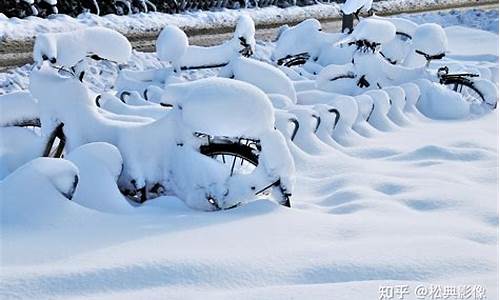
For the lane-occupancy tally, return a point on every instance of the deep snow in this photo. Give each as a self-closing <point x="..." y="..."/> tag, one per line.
<point x="417" y="204"/>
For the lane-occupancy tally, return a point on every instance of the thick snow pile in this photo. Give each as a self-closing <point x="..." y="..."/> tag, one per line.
<point x="387" y="168"/>
<point x="289" y="39"/>
<point x="374" y="30"/>
<point x="242" y="43"/>
<point x="264" y="76"/>
<point x="354" y="6"/>
<point x="204" y="105"/>
<point x="399" y="48"/>
<point x="102" y="161"/>
<point x="171" y="45"/>
<point x="67" y="49"/>
<point x="17" y="104"/>
<point x="343" y="237"/>
<point x="430" y="39"/>
<point x="18" y="146"/>
<point x="213" y="106"/>
<point x="47" y="184"/>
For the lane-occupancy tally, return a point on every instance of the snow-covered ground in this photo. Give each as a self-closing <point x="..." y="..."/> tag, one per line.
<point x="19" y="29"/>
<point x="411" y="207"/>
<point x="416" y="206"/>
<point x="475" y="18"/>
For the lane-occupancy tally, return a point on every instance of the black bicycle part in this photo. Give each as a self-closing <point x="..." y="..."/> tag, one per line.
<point x="246" y="150"/>
<point x="294" y="60"/>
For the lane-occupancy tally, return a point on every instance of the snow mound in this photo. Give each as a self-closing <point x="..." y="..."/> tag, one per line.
<point x="277" y="159"/>
<point x="280" y="101"/>
<point x="205" y="103"/>
<point x="171" y="45"/>
<point x="352" y="6"/>
<point x="382" y="105"/>
<point x="349" y="110"/>
<point x="291" y="40"/>
<point x="69" y="48"/>
<point x="99" y="165"/>
<point x="439" y="102"/>
<point x="245" y="29"/>
<point x="48" y="88"/>
<point x="397" y="49"/>
<point x="412" y="95"/>
<point x="374" y="30"/>
<point x="18" y="146"/>
<point x="337" y="79"/>
<point x="33" y="193"/>
<point x="489" y="91"/>
<point x="397" y="96"/>
<point x="335" y="54"/>
<point x="430" y="39"/>
<point x="17" y="107"/>
<point x="268" y="78"/>
<point x="403" y="26"/>
<point x="242" y="43"/>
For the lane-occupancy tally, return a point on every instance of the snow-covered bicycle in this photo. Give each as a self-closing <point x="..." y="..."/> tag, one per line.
<point x="359" y="65"/>
<point x="373" y="68"/>
<point x="212" y="139"/>
<point x="173" y="47"/>
<point x="217" y="142"/>
<point x="27" y="8"/>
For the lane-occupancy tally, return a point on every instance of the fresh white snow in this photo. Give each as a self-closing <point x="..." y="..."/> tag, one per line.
<point x="15" y="29"/>
<point x="400" y="199"/>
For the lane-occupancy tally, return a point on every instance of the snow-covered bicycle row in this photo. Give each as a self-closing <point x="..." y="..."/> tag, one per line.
<point x="45" y="8"/>
<point x="226" y="139"/>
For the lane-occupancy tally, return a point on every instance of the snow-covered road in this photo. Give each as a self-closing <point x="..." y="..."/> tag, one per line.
<point x="204" y="28"/>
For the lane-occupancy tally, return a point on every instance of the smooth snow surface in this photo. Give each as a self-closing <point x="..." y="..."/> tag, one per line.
<point x="385" y="211"/>
<point x="488" y="42"/>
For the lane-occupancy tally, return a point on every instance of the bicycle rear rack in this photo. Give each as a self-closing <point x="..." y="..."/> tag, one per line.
<point x="294" y="60"/>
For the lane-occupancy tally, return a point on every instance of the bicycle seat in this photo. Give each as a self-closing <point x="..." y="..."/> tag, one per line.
<point x="374" y="31"/>
<point x="430" y="41"/>
<point x="298" y="39"/>
<point x="221" y="107"/>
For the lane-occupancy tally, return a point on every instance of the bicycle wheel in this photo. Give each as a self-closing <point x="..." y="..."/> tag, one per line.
<point x="121" y="8"/>
<point x="241" y="158"/>
<point x="54" y="146"/>
<point x="466" y="88"/>
<point x="23" y="10"/>
<point x="56" y="143"/>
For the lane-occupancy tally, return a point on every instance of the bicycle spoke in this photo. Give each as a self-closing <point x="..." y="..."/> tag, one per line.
<point x="232" y="167"/>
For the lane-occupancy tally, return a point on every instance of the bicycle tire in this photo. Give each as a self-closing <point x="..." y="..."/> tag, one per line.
<point x="243" y="151"/>
<point x="465" y="87"/>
